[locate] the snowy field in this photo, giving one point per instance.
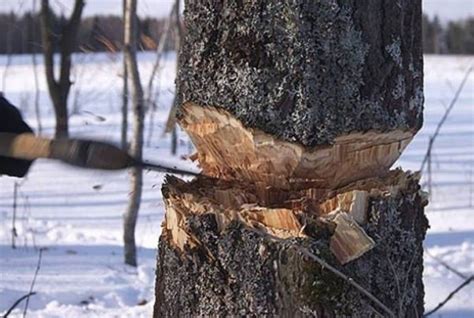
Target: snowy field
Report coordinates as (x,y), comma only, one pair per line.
(76,215)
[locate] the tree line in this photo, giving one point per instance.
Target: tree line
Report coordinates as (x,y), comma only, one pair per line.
(20,34)
(457,37)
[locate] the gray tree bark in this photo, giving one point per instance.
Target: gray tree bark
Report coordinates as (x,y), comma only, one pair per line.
(297,110)
(136,175)
(59,88)
(124,125)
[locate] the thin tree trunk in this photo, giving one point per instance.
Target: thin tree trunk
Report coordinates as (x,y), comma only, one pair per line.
(124,126)
(131,215)
(59,88)
(297,111)
(9,56)
(171,121)
(152,98)
(35,74)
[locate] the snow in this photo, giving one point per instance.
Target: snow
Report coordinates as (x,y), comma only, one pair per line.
(76,215)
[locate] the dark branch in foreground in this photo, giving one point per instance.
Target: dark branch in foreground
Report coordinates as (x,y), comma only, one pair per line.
(17,302)
(332,269)
(38,265)
(451,295)
(446,265)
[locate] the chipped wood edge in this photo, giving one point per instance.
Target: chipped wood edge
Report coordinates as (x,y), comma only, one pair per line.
(219,137)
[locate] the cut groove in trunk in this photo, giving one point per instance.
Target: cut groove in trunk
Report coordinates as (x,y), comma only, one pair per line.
(226,149)
(215,256)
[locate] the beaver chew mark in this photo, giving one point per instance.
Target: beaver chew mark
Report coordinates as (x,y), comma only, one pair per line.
(278,187)
(226,149)
(314,212)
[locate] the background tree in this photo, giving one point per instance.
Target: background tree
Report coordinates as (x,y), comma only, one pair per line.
(138,104)
(124,125)
(64,41)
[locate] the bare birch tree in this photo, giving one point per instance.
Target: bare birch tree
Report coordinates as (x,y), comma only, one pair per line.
(35,72)
(59,88)
(123,138)
(136,176)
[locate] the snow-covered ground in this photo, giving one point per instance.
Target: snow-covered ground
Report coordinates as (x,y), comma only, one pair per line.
(76,215)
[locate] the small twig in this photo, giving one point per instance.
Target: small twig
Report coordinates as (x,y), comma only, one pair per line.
(332,269)
(14,232)
(397,281)
(38,265)
(159,54)
(451,295)
(446,265)
(445,116)
(17,302)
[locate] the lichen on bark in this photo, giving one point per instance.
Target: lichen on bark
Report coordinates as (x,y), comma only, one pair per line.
(305,71)
(240,271)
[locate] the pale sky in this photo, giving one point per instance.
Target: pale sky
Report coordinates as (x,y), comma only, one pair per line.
(445,9)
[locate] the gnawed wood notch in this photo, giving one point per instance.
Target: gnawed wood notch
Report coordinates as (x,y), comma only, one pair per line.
(226,149)
(331,197)
(217,236)
(289,214)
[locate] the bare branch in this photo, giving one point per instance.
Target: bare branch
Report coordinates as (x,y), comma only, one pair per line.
(159,52)
(445,116)
(171,121)
(451,295)
(446,265)
(17,302)
(327,266)
(38,265)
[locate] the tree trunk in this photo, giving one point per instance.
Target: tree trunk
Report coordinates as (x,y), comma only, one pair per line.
(136,176)
(124,126)
(32,49)
(297,111)
(59,88)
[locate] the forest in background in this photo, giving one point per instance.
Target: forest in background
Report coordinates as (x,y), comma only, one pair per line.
(20,34)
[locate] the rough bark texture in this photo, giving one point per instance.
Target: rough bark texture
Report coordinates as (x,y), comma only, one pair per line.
(241,271)
(297,110)
(306,71)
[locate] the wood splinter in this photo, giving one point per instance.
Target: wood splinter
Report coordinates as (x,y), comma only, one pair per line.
(349,240)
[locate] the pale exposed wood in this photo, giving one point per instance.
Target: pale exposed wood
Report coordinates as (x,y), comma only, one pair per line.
(181,205)
(349,240)
(354,202)
(226,149)
(235,201)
